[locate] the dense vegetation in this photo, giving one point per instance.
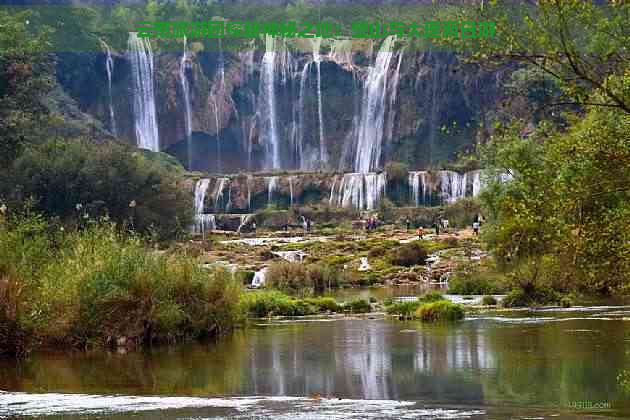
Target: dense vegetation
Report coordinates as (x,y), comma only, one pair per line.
(92,286)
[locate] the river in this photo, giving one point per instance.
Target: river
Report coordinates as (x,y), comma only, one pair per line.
(529,364)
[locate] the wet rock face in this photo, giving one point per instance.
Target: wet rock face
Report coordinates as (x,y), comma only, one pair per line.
(434,91)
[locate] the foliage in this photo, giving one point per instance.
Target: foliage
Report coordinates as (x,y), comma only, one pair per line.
(358,306)
(26,76)
(432,296)
(89,287)
(476,282)
(531,297)
(302,279)
(488,300)
(563,219)
(265,303)
(408,255)
(405,309)
(441,310)
(79,180)
(581,45)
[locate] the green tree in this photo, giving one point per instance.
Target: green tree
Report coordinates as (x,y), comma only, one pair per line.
(26,76)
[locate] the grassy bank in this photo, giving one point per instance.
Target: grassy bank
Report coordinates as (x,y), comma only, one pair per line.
(99,287)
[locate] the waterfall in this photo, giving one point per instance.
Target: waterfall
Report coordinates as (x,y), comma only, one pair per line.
(216,125)
(217,194)
(244,219)
(414,187)
(375,186)
(419,188)
(291,190)
(393,96)
(452,186)
(183,65)
(299,144)
(109,67)
(228,206)
(371,123)
(323,154)
(272,185)
(145,116)
(201,188)
(267,106)
(476,183)
(360,191)
(332,191)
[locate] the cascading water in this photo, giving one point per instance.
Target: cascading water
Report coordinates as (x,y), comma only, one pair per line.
(323,154)
(417,182)
(372,121)
(291,190)
(393,96)
(360,191)
(201,219)
(272,185)
(141,57)
(184,64)
(109,67)
(332,191)
(452,186)
(217,194)
(267,97)
(218,130)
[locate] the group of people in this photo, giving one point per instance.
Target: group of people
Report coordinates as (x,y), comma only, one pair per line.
(371,223)
(443,223)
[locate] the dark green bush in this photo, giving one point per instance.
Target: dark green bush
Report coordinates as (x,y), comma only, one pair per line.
(476,283)
(408,255)
(531,297)
(88,287)
(404,309)
(488,300)
(431,296)
(358,306)
(81,180)
(442,310)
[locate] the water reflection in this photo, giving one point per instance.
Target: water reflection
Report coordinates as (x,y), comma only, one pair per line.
(478,363)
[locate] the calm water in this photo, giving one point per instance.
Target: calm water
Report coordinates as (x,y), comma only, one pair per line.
(525,365)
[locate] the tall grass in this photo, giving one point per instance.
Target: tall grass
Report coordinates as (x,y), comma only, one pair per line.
(94,286)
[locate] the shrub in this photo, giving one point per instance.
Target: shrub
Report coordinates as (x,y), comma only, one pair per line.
(408,255)
(566,302)
(274,303)
(324,304)
(442,310)
(358,306)
(91,286)
(322,277)
(300,279)
(531,297)
(488,300)
(105,179)
(476,283)
(431,296)
(404,309)
(288,277)
(377,251)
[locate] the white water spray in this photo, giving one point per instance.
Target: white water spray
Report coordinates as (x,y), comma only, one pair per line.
(141,57)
